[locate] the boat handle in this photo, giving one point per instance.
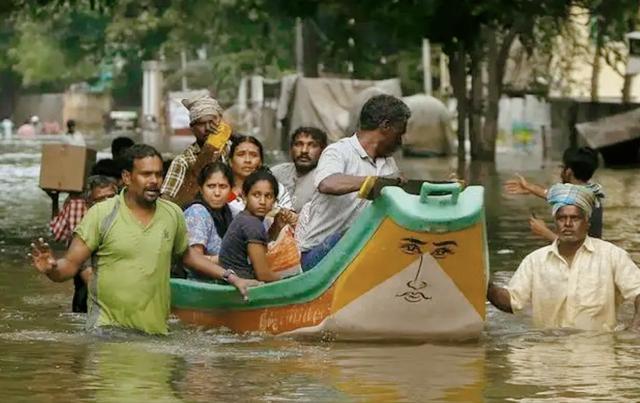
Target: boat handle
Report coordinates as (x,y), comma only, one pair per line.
(440,189)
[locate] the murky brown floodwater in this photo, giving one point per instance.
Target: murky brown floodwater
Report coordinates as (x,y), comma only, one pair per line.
(46,356)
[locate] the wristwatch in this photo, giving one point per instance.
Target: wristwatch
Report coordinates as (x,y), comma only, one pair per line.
(227,273)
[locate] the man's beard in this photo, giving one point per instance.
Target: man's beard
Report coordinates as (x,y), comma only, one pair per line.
(307,166)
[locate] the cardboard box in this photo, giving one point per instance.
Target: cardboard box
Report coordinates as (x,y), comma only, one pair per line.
(65,167)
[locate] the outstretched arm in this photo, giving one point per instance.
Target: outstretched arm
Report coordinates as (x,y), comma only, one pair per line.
(206,267)
(520,186)
(499,297)
(59,270)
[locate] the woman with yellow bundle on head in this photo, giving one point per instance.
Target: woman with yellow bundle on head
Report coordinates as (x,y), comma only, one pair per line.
(212,135)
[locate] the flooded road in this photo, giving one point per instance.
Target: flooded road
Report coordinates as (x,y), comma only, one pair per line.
(46,356)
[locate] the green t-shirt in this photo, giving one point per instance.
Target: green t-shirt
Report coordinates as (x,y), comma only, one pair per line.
(130,286)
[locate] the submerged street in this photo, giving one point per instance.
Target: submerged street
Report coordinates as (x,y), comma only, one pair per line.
(45,354)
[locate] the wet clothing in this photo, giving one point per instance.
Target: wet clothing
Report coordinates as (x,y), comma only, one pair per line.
(245,229)
(329,214)
(300,187)
(584,295)
(130,284)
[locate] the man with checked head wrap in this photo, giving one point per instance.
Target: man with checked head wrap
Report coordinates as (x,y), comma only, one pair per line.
(577,281)
(205,114)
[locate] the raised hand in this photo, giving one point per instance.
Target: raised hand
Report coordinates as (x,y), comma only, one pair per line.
(42,257)
(517,186)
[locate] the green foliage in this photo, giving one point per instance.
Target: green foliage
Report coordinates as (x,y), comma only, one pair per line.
(57,42)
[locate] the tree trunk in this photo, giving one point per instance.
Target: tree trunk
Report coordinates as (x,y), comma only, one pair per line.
(477,94)
(310,48)
(9,82)
(626,88)
(458,73)
(497,55)
(595,72)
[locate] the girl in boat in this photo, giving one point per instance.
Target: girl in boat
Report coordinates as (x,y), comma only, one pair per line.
(247,156)
(244,246)
(208,217)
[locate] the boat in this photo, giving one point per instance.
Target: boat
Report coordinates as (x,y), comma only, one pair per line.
(412,267)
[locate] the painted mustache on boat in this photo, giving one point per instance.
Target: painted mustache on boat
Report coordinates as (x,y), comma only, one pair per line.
(413,246)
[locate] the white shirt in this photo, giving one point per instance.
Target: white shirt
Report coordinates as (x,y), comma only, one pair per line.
(329,213)
(584,295)
(300,187)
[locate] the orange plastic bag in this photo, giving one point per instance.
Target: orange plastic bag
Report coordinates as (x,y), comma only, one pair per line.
(283,254)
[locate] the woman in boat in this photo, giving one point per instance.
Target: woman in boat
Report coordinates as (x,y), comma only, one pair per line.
(208,217)
(244,246)
(247,156)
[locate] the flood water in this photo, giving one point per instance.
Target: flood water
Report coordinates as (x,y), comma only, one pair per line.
(45,355)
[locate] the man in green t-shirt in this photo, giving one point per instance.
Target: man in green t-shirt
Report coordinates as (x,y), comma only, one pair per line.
(132,238)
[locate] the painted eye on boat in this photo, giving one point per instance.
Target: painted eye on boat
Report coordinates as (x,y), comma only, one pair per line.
(441,252)
(411,248)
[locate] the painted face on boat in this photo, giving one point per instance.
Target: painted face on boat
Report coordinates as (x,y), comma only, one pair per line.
(215,190)
(260,199)
(414,246)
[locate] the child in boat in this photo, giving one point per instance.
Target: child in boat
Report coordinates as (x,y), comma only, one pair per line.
(208,217)
(244,246)
(578,166)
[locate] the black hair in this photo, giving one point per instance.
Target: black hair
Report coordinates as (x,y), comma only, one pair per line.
(262,174)
(583,162)
(212,168)
(106,167)
(71,123)
(119,145)
(222,217)
(383,108)
(316,134)
(238,139)
(136,152)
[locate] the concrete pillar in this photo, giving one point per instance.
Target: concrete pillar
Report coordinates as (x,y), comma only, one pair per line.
(152,102)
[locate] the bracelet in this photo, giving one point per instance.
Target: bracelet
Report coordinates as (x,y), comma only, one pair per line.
(227,273)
